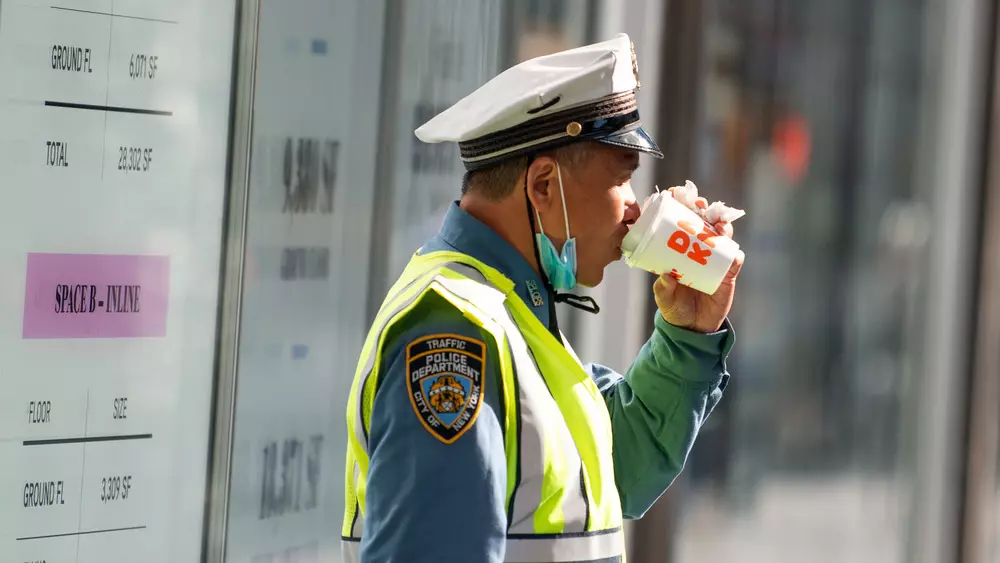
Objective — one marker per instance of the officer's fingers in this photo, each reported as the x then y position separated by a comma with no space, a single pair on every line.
664,288
734,269
724,228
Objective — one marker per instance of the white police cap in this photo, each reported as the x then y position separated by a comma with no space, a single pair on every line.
583,94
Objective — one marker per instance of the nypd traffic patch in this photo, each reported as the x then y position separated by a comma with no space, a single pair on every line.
444,376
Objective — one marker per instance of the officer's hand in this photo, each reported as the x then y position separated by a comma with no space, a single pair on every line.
689,308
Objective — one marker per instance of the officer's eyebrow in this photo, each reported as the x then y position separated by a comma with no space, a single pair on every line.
633,162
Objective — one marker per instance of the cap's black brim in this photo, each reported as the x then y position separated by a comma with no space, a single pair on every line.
635,139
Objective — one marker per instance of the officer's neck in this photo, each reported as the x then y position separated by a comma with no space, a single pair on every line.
507,219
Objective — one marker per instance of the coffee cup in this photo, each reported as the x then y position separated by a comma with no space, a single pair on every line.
669,238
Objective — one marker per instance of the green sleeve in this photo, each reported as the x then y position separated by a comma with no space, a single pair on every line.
659,405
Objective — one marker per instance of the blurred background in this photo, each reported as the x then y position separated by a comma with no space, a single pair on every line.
861,422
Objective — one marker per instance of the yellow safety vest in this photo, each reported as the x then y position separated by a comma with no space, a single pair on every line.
565,507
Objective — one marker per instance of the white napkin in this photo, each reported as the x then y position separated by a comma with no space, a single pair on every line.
712,214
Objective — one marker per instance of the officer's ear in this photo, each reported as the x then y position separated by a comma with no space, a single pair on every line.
543,183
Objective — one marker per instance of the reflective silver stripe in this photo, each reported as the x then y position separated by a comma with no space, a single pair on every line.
542,550
350,549
358,527
528,494
566,548
538,429
538,411
574,506
359,427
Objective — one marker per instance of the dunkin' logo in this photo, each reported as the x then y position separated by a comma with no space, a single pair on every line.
681,242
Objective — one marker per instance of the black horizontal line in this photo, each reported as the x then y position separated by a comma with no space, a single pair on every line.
71,105
81,533
110,14
83,439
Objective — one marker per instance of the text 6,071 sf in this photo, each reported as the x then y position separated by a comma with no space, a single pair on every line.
142,66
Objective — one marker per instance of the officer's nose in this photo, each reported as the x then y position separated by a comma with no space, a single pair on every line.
632,210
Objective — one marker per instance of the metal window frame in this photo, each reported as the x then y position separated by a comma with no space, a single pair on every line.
231,281
980,510
385,173
952,133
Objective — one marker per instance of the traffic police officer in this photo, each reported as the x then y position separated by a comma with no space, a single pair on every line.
475,433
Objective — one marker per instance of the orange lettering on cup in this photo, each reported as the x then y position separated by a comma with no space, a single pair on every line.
687,227
699,255
679,241
706,237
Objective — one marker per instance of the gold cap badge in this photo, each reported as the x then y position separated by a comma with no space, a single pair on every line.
635,66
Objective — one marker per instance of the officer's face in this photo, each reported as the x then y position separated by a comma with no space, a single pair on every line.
601,207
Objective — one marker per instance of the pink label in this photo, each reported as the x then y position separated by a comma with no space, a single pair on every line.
96,296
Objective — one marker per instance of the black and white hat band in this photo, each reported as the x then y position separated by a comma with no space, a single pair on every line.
591,121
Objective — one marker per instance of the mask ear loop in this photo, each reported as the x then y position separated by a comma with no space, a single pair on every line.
532,213
582,302
541,228
562,195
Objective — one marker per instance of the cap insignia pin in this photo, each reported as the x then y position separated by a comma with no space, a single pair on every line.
635,66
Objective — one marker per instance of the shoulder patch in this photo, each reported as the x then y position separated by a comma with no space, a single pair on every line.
444,377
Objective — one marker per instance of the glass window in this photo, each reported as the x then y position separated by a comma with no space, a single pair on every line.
810,120
441,52
310,209
341,194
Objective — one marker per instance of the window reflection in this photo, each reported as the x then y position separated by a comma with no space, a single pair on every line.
809,122
341,194
446,51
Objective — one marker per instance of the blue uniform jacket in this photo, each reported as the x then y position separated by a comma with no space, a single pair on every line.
429,501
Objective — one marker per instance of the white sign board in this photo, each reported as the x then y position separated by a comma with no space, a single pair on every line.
113,142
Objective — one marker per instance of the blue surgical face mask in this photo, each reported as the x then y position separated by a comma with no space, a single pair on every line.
560,269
